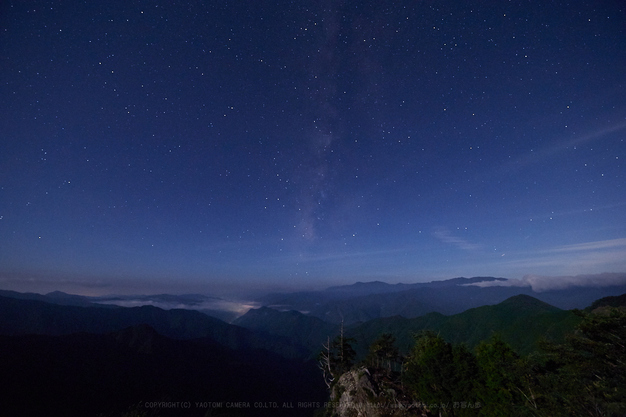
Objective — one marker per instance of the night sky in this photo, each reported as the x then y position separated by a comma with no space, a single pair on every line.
223,146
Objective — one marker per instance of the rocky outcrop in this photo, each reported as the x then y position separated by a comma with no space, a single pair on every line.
361,393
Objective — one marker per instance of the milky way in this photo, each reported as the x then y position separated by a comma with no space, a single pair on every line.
219,146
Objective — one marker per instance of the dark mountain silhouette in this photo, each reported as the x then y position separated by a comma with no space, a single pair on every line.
378,287
198,302
520,320
302,329
135,368
618,301
71,360
38,317
55,297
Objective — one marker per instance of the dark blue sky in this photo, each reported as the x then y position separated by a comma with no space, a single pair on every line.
237,145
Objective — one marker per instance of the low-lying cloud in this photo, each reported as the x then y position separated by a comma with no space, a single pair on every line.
540,283
189,302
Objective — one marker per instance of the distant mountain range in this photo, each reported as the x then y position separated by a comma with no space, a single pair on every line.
55,297
24,316
217,307
362,302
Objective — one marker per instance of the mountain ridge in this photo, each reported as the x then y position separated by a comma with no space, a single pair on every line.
39,317
364,301
520,320
528,317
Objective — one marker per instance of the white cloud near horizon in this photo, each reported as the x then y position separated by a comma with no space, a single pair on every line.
565,260
541,283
